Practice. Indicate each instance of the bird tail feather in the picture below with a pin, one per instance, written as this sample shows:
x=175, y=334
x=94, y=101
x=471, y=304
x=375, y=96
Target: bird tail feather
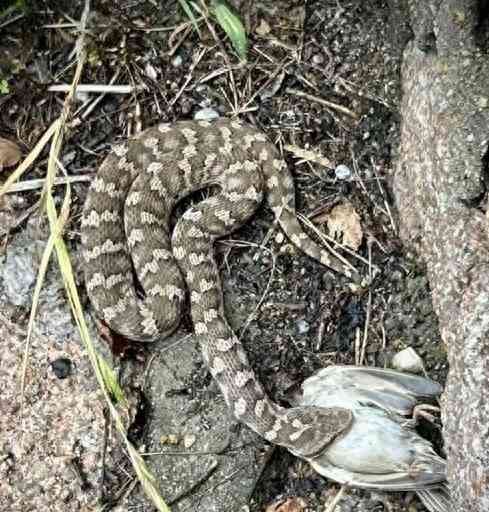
x=437, y=499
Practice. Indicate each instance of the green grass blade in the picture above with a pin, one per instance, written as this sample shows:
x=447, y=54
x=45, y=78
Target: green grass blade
x=231, y=23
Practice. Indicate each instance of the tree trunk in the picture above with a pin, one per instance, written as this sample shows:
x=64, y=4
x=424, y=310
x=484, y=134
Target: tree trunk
x=440, y=184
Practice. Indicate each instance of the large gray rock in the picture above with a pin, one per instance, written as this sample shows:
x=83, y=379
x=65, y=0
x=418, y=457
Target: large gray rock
x=440, y=185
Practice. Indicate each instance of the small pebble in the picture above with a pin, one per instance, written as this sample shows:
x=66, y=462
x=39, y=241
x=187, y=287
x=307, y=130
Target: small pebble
x=318, y=58
x=150, y=71
x=61, y=367
x=169, y=439
x=483, y=102
x=408, y=360
x=82, y=96
x=189, y=440
x=279, y=238
x=69, y=157
x=303, y=327
x=206, y=114
x=342, y=172
x=177, y=61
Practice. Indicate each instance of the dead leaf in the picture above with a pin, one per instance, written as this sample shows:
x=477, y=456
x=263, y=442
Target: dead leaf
x=9, y=153
x=309, y=156
x=344, y=225
x=289, y=505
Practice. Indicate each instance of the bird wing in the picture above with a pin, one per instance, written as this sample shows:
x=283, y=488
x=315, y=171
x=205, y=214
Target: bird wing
x=395, y=482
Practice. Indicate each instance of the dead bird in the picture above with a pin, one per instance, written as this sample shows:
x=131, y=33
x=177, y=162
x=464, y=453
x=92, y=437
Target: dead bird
x=381, y=449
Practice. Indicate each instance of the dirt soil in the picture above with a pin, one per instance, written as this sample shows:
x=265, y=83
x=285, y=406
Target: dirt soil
x=322, y=76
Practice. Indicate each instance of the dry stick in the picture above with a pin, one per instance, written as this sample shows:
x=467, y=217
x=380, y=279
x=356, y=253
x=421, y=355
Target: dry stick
x=189, y=77
x=184, y=339
x=96, y=88
x=204, y=12
x=123, y=492
x=218, y=484
x=369, y=303
x=186, y=28
x=384, y=197
x=215, y=74
x=362, y=184
x=357, y=346
x=198, y=482
x=13, y=20
x=321, y=101
x=251, y=316
x=382, y=329
x=336, y=500
x=263, y=54
x=22, y=186
x=273, y=76
x=98, y=99
x=188, y=454
x=321, y=329
x=65, y=25
x=20, y=219
x=164, y=29
x=358, y=92
x=323, y=237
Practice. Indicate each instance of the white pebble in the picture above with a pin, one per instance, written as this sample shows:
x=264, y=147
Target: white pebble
x=150, y=71
x=279, y=238
x=206, y=114
x=318, y=58
x=408, y=360
x=177, y=61
x=189, y=440
x=303, y=327
x=342, y=172
x=82, y=96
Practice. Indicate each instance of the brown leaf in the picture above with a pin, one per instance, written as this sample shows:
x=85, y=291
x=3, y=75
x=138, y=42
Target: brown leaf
x=344, y=224
x=9, y=153
x=289, y=505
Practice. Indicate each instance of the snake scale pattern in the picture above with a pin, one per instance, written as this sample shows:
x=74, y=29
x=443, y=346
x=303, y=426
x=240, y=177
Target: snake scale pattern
x=126, y=230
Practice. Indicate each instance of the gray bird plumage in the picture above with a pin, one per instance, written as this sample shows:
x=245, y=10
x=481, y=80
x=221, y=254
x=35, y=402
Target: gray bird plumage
x=381, y=449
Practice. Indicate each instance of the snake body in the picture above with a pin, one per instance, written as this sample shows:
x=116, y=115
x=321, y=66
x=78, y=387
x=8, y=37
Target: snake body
x=126, y=229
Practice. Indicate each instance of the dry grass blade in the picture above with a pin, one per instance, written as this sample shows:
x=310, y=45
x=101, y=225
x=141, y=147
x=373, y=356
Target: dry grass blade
x=35, y=184
x=322, y=236
x=29, y=160
x=104, y=374
x=190, y=14
x=336, y=500
x=46, y=256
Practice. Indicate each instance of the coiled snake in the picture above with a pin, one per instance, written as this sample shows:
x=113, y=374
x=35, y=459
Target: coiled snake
x=125, y=227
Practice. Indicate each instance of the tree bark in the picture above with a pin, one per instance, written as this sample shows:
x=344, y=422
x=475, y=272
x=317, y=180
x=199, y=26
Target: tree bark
x=440, y=183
